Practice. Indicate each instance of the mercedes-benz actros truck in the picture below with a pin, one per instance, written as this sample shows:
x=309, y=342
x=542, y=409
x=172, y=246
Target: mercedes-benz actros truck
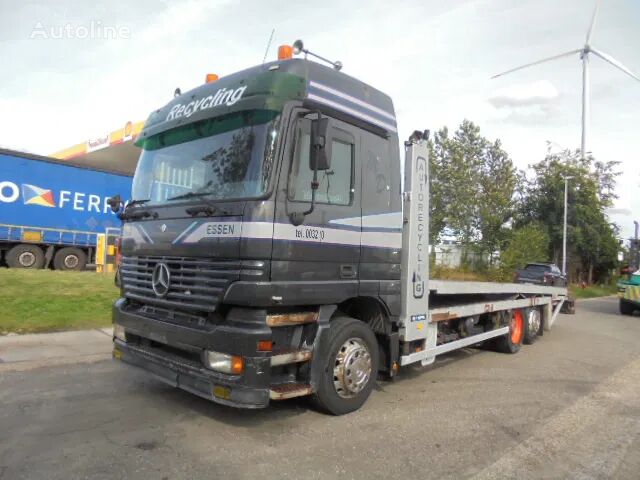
x=269, y=252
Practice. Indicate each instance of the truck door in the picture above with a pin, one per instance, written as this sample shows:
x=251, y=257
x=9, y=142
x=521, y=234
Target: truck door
x=381, y=211
x=326, y=247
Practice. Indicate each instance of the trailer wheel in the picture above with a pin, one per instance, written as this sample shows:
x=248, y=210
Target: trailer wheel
x=511, y=342
x=626, y=308
x=533, y=321
x=349, y=367
x=25, y=256
x=70, y=258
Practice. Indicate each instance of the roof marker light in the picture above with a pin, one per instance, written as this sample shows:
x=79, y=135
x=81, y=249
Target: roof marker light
x=211, y=77
x=285, y=52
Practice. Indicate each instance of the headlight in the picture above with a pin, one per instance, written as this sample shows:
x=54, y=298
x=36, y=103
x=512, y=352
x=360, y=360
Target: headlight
x=118, y=332
x=225, y=363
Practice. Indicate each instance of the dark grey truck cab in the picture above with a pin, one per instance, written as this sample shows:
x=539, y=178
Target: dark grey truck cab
x=237, y=252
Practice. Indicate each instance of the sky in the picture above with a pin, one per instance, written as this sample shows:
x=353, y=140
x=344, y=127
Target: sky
x=75, y=70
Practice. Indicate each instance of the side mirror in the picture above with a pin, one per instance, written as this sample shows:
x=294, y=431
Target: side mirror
x=320, y=154
x=115, y=203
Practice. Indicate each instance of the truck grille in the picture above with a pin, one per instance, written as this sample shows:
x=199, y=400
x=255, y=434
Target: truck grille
x=195, y=284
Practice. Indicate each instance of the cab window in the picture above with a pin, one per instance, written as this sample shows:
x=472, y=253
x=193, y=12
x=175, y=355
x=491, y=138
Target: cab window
x=336, y=184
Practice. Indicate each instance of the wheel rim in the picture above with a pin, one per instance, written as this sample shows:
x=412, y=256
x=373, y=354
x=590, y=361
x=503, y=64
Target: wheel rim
x=71, y=261
x=352, y=368
x=534, y=321
x=27, y=259
x=517, y=327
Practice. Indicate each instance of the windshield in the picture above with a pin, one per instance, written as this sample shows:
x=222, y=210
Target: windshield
x=228, y=157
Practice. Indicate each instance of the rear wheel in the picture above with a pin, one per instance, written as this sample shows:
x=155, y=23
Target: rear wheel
x=626, y=308
x=511, y=342
x=533, y=321
x=349, y=368
x=70, y=258
x=25, y=256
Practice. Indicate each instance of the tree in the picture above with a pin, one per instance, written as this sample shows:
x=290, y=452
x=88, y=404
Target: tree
x=472, y=189
x=495, y=199
x=529, y=243
x=591, y=239
x=439, y=152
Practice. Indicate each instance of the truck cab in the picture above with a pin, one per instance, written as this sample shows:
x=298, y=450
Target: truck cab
x=235, y=244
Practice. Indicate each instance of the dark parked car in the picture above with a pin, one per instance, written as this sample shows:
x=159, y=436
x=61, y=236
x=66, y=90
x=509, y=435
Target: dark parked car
x=541, y=274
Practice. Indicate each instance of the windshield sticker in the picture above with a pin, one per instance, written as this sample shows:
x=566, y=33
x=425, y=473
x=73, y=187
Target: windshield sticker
x=226, y=96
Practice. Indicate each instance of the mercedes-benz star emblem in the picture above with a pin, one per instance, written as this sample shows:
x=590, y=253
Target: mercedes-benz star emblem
x=161, y=279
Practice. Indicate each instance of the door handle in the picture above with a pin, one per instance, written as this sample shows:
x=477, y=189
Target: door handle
x=348, y=271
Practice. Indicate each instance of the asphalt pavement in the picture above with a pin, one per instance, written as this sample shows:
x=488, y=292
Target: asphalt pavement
x=566, y=407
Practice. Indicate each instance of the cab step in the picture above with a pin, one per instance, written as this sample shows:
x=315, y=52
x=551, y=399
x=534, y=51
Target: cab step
x=289, y=355
x=289, y=390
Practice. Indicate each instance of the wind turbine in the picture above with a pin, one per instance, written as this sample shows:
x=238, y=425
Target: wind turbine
x=584, y=55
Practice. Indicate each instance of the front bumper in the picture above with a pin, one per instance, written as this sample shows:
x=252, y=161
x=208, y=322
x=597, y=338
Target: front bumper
x=191, y=378
x=172, y=353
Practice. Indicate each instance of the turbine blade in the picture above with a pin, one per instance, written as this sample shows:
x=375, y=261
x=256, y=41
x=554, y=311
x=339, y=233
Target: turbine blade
x=566, y=54
x=615, y=63
x=593, y=21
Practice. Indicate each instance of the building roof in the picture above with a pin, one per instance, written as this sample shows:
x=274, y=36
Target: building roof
x=114, y=151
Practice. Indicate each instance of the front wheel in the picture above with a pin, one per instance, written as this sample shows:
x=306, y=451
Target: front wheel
x=350, y=367
x=626, y=308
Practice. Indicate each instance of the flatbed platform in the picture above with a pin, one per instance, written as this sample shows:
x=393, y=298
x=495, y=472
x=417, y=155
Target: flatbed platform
x=457, y=287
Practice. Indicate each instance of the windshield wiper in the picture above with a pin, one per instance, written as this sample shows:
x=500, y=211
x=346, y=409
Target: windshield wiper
x=129, y=214
x=137, y=215
x=138, y=202
x=189, y=195
x=206, y=209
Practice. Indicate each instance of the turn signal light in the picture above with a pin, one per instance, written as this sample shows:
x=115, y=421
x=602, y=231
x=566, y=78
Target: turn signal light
x=237, y=365
x=265, y=345
x=211, y=77
x=285, y=52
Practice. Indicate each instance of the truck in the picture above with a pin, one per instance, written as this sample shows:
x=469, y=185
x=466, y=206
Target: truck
x=52, y=211
x=629, y=293
x=269, y=252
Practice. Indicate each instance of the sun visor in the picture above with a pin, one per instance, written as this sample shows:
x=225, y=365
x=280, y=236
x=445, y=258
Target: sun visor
x=259, y=91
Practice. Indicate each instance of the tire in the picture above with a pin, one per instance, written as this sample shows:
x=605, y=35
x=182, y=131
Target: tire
x=70, y=258
x=532, y=325
x=350, y=342
x=25, y=256
x=626, y=308
x=512, y=341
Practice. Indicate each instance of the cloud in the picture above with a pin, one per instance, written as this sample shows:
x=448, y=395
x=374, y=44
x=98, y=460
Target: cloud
x=542, y=92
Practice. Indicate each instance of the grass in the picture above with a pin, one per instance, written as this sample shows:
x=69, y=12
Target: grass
x=43, y=300
x=592, y=291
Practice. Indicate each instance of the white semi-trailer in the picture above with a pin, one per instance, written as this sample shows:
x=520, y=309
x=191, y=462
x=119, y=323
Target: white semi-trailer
x=269, y=253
